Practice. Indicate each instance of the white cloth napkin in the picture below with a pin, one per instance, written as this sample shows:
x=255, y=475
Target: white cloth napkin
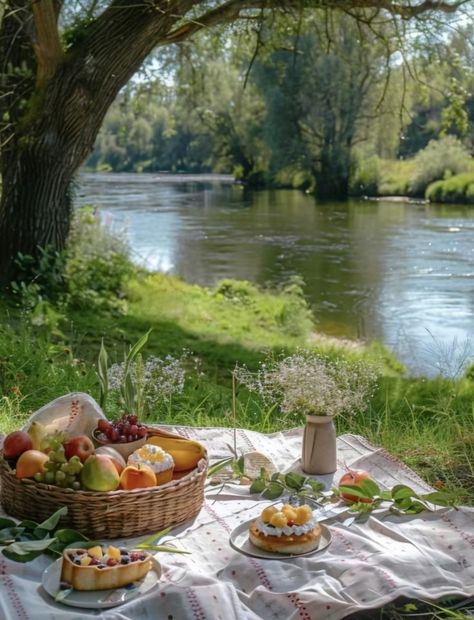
x=366, y=565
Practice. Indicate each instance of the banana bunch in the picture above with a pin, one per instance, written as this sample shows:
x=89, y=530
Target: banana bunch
x=186, y=453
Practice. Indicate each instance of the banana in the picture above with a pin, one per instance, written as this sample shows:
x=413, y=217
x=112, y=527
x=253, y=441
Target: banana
x=186, y=453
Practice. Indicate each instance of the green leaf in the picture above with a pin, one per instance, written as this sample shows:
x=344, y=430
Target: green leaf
x=386, y=495
x=6, y=523
x=53, y=520
x=257, y=486
x=7, y=534
x=102, y=366
x=439, y=498
x=352, y=489
x=68, y=536
x=213, y=469
x=26, y=550
x=155, y=537
x=401, y=491
x=274, y=490
x=25, y=557
x=28, y=525
x=164, y=549
x=294, y=480
x=370, y=487
x=315, y=485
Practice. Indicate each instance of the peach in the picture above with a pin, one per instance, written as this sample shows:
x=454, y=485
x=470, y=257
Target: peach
x=139, y=476
x=16, y=443
x=30, y=463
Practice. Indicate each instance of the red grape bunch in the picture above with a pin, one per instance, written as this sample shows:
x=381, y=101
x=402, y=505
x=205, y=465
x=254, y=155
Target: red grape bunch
x=128, y=428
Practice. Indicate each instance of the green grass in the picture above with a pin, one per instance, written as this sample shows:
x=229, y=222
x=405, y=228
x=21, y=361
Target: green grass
x=457, y=189
x=429, y=424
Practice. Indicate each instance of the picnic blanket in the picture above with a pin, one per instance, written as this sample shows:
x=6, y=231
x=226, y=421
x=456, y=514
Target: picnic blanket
x=366, y=565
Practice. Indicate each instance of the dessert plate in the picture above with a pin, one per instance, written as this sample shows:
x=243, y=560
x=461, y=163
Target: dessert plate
x=239, y=540
x=97, y=599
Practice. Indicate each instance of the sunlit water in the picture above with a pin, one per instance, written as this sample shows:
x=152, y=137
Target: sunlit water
x=398, y=272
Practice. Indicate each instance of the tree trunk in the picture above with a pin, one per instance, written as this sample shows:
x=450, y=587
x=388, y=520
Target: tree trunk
x=332, y=175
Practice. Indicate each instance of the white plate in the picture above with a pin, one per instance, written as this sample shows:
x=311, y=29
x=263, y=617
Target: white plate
x=239, y=540
x=99, y=599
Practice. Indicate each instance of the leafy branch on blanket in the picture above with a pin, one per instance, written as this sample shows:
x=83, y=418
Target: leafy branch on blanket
x=362, y=498
x=27, y=540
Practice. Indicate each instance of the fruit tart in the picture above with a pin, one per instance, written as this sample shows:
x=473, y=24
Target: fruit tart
x=155, y=457
x=286, y=529
x=103, y=568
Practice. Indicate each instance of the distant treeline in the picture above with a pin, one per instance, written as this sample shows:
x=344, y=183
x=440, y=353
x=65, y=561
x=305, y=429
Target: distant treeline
x=332, y=111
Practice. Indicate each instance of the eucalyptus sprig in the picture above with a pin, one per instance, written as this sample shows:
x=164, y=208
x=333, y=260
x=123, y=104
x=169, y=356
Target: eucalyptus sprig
x=27, y=540
x=272, y=487
x=403, y=499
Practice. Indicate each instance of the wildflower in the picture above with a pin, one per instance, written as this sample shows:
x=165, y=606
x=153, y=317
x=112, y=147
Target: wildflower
x=311, y=384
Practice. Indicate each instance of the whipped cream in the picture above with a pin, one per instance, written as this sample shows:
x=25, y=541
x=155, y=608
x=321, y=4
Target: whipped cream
x=288, y=530
x=153, y=456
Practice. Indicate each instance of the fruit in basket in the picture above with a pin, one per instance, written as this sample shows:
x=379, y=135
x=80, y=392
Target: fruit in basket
x=113, y=454
x=137, y=476
x=186, y=453
x=99, y=474
x=155, y=457
x=16, y=443
x=30, y=463
x=36, y=431
x=354, y=477
x=53, y=441
x=127, y=429
x=80, y=446
x=61, y=472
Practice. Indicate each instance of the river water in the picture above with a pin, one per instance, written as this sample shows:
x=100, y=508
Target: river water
x=398, y=272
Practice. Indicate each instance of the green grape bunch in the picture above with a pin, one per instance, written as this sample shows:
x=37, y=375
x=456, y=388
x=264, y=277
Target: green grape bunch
x=59, y=471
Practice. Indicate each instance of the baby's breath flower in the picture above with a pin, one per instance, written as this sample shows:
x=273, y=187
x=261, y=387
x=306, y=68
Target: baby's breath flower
x=311, y=384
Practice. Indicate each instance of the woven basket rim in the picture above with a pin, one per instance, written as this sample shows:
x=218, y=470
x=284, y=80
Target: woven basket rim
x=173, y=485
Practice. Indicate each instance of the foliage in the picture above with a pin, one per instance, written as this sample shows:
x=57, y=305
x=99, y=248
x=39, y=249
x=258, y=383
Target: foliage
x=458, y=188
x=97, y=264
x=439, y=160
x=306, y=383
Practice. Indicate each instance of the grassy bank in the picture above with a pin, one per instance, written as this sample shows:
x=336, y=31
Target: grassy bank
x=50, y=338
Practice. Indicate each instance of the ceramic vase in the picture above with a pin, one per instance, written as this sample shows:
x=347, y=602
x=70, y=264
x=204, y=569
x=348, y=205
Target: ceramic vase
x=319, y=455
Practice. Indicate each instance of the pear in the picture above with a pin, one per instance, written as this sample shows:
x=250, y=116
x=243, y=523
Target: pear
x=36, y=431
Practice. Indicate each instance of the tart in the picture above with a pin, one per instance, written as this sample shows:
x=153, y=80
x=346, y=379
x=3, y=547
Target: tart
x=103, y=568
x=155, y=457
x=287, y=530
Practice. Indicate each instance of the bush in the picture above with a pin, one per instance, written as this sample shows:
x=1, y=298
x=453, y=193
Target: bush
x=365, y=178
x=441, y=159
x=98, y=264
x=459, y=188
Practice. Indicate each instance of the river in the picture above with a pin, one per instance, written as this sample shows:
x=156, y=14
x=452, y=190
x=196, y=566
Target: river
x=399, y=272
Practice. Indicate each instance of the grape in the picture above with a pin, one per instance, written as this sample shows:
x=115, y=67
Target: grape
x=76, y=485
x=39, y=477
x=60, y=476
x=49, y=477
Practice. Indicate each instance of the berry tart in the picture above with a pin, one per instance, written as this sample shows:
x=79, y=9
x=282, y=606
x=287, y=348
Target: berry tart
x=103, y=568
x=286, y=529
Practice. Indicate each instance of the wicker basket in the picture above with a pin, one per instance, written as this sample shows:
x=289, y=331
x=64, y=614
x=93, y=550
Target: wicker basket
x=115, y=514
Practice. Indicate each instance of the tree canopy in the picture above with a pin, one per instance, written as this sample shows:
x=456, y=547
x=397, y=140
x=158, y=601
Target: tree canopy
x=63, y=64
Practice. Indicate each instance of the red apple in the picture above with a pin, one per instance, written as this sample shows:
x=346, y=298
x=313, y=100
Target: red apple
x=16, y=443
x=80, y=446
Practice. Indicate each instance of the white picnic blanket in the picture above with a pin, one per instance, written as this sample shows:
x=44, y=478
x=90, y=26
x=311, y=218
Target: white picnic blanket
x=365, y=566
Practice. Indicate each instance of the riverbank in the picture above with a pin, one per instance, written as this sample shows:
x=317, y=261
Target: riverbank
x=48, y=348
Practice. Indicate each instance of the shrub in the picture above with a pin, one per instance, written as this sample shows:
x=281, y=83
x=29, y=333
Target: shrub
x=98, y=263
x=366, y=177
x=459, y=188
x=439, y=160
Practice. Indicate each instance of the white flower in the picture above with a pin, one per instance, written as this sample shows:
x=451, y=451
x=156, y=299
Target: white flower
x=311, y=384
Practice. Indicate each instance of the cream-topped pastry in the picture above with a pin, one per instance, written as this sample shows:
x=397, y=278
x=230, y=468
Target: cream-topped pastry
x=286, y=529
x=155, y=457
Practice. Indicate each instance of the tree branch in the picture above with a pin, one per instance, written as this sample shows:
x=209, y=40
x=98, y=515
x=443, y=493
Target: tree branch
x=47, y=46
x=230, y=11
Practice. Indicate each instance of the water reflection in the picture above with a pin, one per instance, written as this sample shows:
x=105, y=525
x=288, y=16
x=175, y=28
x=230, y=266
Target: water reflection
x=399, y=272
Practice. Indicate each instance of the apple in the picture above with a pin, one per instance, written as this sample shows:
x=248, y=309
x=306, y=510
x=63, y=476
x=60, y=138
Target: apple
x=114, y=455
x=139, y=476
x=354, y=477
x=16, y=443
x=99, y=474
x=80, y=446
x=30, y=463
